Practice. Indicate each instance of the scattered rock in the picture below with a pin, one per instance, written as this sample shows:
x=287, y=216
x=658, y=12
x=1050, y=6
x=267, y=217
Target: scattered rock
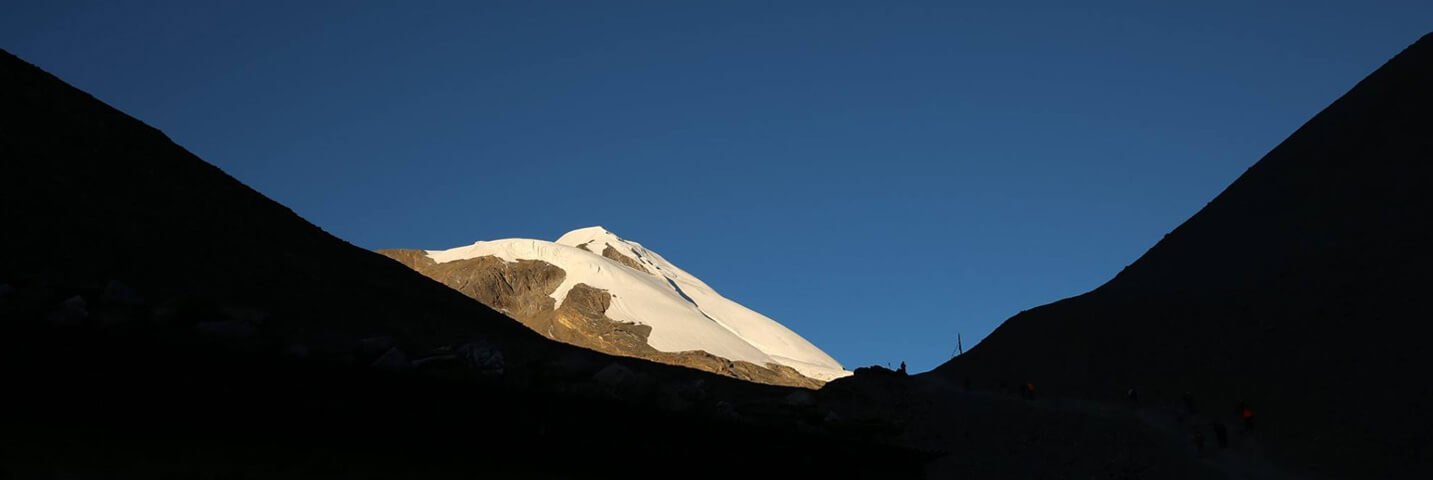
x=77, y=304
x=372, y=346
x=482, y=356
x=116, y=293
x=393, y=359
x=725, y=410
x=681, y=396
x=72, y=312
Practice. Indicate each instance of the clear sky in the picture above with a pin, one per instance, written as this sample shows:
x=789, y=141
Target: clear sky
x=878, y=176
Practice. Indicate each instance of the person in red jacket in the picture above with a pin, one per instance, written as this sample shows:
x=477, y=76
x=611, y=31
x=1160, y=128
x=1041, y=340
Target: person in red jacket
x=1247, y=415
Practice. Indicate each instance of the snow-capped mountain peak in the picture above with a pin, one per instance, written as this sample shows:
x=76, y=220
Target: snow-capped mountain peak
x=683, y=312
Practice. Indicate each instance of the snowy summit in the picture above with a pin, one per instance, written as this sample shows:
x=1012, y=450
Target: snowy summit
x=683, y=312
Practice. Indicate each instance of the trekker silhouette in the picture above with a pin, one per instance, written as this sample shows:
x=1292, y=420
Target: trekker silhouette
x=903, y=368
x=1247, y=415
x=1132, y=394
x=1221, y=434
x=1188, y=399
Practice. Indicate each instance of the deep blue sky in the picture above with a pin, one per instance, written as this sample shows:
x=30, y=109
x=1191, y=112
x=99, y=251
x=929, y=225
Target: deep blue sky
x=878, y=177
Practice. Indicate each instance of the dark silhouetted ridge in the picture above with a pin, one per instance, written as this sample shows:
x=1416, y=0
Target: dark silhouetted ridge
x=93, y=195
x=1302, y=289
x=160, y=319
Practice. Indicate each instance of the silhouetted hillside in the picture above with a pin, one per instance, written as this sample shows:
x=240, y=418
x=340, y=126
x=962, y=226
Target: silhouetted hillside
x=1302, y=289
x=161, y=319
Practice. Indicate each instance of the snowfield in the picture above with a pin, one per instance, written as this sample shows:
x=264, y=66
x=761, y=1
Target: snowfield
x=684, y=313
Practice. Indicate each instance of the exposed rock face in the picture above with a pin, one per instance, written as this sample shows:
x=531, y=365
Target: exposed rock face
x=518, y=289
x=612, y=253
x=522, y=290
x=582, y=320
x=684, y=313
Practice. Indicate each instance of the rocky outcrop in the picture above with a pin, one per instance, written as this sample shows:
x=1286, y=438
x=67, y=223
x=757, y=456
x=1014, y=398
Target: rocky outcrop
x=582, y=320
x=523, y=290
x=617, y=256
x=771, y=373
x=614, y=255
x=519, y=289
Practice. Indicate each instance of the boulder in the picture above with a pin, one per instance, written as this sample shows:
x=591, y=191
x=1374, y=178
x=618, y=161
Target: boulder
x=70, y=313
x=116, y=293
x=482, y=356
x=77, y=304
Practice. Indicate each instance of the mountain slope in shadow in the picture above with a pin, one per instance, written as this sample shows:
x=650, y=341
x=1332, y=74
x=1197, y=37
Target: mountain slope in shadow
x=162, y=319
x=1301, y=292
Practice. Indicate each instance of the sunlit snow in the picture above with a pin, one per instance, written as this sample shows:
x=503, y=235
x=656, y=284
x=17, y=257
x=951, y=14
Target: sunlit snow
x=684, y=313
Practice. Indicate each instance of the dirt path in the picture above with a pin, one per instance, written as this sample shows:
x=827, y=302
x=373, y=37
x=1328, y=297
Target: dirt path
x=990, y=433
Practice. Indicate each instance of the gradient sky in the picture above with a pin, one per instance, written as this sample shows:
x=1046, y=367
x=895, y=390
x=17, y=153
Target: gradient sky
x=878, y=176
